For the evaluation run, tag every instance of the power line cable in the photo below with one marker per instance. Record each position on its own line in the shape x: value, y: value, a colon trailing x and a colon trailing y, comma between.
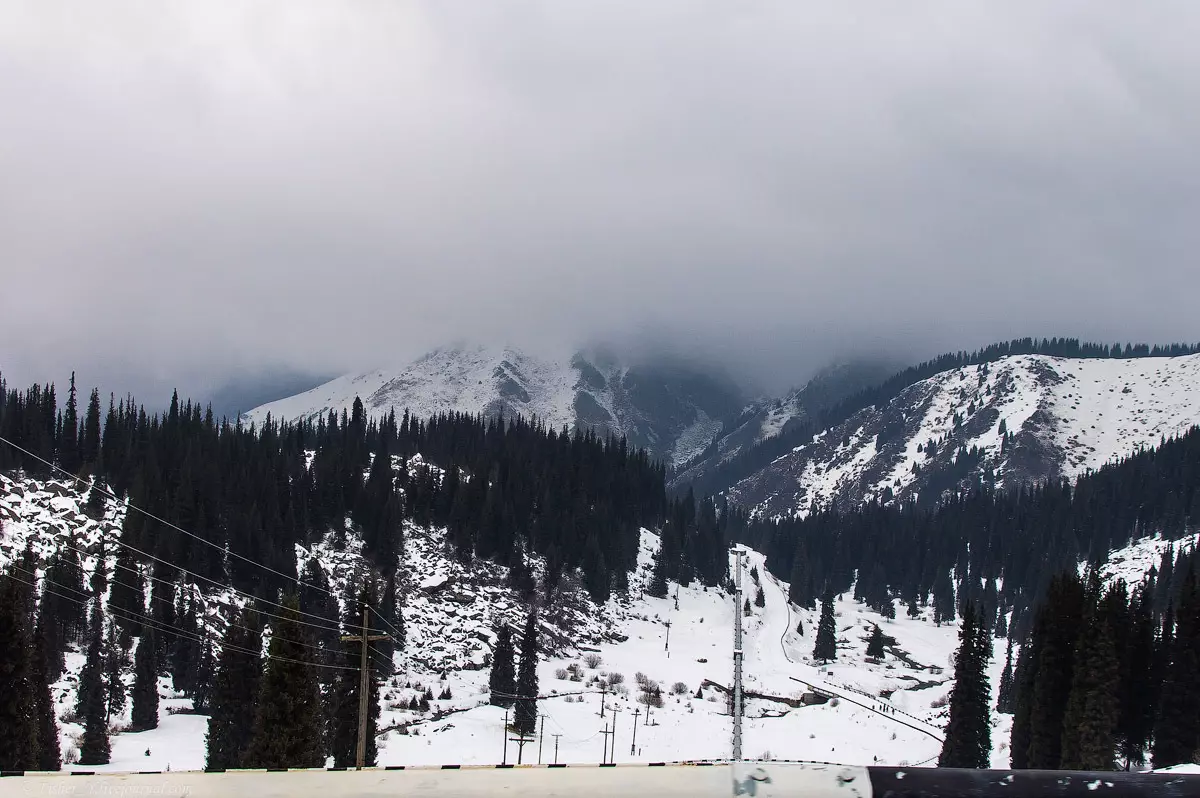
x: 94, y: 485
x: 155, y: 625
x: 323, y: 627
x: 88, y: 598
x: 136, y: 550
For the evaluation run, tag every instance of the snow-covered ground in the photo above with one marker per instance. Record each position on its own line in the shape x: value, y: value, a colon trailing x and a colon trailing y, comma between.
x: 887, y: 712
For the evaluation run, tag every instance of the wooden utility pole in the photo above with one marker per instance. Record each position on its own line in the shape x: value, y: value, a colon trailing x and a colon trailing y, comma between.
x: 556, y: 736
x: 633, y: 745
x: 541, y: 736
x: 612, y: 749
x: 520, y: 740
x: 603, y: 692
x: 364, y: 685
x: 667, y: 647
x: 504, y: 734
x: 604, y: 756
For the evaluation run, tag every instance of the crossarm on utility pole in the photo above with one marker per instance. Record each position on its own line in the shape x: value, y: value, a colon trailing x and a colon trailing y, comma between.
x: 364, y: 687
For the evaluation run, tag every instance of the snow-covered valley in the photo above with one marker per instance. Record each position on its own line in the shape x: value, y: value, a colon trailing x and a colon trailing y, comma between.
x: 889, y: 711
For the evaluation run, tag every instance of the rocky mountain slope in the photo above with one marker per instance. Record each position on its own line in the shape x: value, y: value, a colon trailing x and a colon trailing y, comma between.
x: 674, y: 410
x: 1020, y: 418
x: 769, y: 418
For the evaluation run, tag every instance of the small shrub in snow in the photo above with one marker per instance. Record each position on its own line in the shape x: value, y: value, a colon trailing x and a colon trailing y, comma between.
x: 562, y: 674
x: 71, y: 755
x: 938, y: 703
x: 641, y: 678
x: 576, y: 676
x: 592, y: 660
x: 679, y: 688
x: 620, y: 689
x: 833, y: 702
x: 616, y: 678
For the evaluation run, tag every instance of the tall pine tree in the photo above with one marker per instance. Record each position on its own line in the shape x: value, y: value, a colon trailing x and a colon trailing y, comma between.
x: 875, y: 644
x: 1177, y: 730
x: 503, y: 679
x: 288, y: 729
x: 1055, y: 631
x: 968, y: 734
x: 527, y: 681
x: 825, y: 648
x: 145, y: 682
x: 49, y: 753
x: 92, y: 702
x: 18, y: 717
x: 234, y: 702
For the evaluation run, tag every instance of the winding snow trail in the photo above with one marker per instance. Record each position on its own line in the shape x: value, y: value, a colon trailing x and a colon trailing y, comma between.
x: 807, y: 670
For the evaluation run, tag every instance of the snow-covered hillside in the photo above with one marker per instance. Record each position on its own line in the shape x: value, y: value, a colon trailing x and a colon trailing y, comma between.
x: 1062, y: 417
x: 673, y: 411
x: 890, y: 712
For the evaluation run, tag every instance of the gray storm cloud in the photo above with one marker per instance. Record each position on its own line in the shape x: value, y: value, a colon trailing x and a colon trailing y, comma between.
x: 192, y: 189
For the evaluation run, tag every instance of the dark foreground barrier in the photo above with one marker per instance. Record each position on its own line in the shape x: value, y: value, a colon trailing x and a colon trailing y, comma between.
x: 887, y: 782
x: 694, y: 780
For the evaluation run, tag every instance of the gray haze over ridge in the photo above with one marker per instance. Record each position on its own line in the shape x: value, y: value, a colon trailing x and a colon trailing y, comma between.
x: 192, y: 192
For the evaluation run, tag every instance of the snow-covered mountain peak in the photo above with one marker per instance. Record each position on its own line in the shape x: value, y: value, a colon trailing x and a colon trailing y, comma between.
x: 673, y: 411
x: 1021, y: 418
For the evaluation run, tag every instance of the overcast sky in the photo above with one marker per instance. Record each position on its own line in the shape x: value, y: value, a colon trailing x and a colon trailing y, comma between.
x: 191, y: 189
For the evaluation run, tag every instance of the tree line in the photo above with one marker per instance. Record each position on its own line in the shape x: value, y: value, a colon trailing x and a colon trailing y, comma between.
x: 216, y: 506
x: 996, y: 548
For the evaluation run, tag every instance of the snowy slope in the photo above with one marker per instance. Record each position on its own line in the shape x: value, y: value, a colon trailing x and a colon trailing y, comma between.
x: 463, y: 379
x: 1064, y: 416
x: 890, y: 712
x: 672, y: 410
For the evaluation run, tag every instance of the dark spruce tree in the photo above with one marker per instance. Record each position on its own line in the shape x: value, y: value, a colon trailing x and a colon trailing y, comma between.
x: 18, y: 717
x: 289, y: 725
x: 144, y: 714
x: 1024, y: 675
x: 1054, y: 636
x: 968, y: 733
x: 503, y: 679
x: 1089, y: 724
x: 526, y: 712
x: 61, y: 614
x: 800, y: 590
x: 1177, y: 729
x: 875, y: 644
x: 115, y: 662
x: 89, y: 437
x: 1139, y: 688
x: 233, y: 705
x: 92, y: 703
x: 68, y: 439
x: 760, y: 600
x: 203, y: 675
x: 825, y: 648
x: 1004, y: 700
x: 49, y: 754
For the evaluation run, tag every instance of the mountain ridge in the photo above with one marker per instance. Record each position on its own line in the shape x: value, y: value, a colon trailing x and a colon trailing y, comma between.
x: 673, y: 409
x: 1023, y: 418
